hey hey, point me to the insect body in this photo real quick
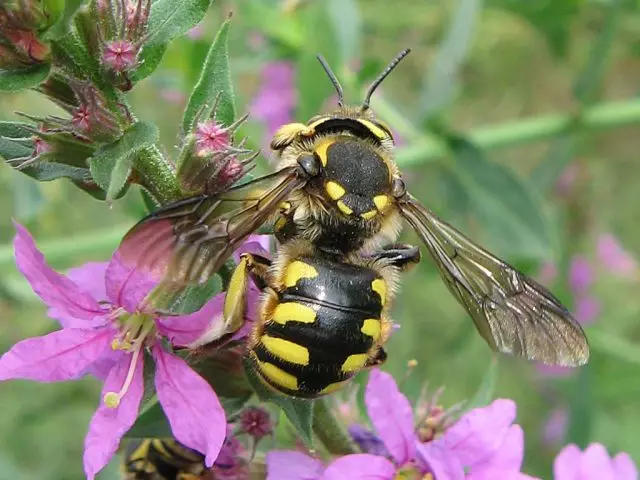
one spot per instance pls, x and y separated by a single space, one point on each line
338 189
323 317
162 459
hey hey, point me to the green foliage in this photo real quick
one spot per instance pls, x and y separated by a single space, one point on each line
215 80
14 80
59 28
111 164
485 393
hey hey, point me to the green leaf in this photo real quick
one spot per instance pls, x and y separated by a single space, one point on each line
442 79
510 213
586 86
14 80
487 388
168 19
60 27
344 16
581 409
298 411
111 164
71 54
560 154
614 346
12 140
215 80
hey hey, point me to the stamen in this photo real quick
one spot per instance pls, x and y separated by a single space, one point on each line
112 399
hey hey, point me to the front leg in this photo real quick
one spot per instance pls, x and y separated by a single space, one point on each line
402 256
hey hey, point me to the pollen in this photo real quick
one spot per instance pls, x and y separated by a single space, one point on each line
111 399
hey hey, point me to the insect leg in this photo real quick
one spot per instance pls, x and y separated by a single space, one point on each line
252 267
401 256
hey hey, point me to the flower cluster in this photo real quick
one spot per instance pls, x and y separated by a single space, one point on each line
107 330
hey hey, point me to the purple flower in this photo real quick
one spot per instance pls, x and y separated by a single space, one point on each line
555 428
484 443
275 101
256 422
107 328
580 274
593 464
120 55
615 258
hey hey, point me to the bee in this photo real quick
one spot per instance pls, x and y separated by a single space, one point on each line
336 200
162 459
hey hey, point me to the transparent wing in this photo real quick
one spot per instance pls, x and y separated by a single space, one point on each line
512 312
188 241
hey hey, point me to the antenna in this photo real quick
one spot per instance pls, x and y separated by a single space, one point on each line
376 83
332 77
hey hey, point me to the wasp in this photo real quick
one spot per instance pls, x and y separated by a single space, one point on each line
162 459
337 202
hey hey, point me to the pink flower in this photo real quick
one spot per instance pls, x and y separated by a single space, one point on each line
256 422
580 274
555 428
120 55
615 258
483 443
276 100
212 137
107 328
593 464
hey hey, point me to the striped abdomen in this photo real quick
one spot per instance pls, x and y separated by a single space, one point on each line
323 328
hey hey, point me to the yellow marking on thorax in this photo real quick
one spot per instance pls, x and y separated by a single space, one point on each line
295 312
373 128
354 362
334 189
371 327
332 387
286 350
343 208
280 224
322 147
381 201
380 288
297 270
278 376
369 215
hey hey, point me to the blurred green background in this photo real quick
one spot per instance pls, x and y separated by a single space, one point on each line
539 99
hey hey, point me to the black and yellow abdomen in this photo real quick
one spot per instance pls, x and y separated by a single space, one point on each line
324 326
162 459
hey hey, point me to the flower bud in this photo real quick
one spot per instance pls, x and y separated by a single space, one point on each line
20 22
256 422
209 162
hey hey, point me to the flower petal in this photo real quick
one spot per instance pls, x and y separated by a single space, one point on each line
624 468
183 330
196 417
62 355
435 458
127 285
566 466
90 277
255 244
506 459
480 432
391 415
109 425
360 466
290 465
72 304
596 464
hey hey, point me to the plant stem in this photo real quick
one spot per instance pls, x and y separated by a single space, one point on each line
158 177
330 431
596 117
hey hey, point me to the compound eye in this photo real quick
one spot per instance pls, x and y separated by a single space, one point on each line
310 163
398 188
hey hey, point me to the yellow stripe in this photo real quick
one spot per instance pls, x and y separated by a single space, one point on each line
343 208
141 452
334 190
297 270
380 288
354 362
381 201
286 350
278 376
369 215
377 131
371 327
332 387
321 149
294 312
